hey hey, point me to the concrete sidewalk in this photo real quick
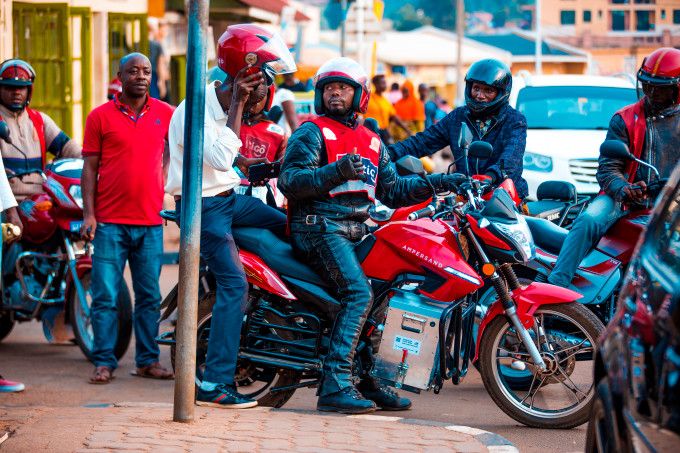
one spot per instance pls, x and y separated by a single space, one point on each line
147 427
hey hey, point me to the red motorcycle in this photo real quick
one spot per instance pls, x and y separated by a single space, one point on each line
46 276
426 275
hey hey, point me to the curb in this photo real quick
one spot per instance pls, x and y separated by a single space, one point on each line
495 443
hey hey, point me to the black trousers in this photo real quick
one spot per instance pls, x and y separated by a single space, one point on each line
330 250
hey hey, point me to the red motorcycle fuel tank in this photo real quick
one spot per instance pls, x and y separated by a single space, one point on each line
426 248
37 216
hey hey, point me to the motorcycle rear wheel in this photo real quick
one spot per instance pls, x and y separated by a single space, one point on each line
246 373
6 325
568 347
82 325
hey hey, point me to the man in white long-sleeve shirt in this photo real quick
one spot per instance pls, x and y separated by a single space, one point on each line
222 208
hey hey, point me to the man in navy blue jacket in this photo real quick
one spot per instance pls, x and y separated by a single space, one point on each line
488 115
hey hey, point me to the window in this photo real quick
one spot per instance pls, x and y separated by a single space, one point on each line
567 17
618 20
663 14
644 20
587 15
572 107
620 2
676 16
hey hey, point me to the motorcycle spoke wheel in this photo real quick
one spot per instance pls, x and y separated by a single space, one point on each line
561 395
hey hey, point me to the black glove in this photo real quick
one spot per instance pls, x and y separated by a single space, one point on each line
447 183
351 167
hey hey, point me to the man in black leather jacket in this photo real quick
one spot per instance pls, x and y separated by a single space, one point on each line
331 174
651 129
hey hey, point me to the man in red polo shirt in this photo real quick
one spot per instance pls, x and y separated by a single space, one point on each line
122 186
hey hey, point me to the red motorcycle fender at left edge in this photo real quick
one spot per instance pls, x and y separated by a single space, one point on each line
528 299
260 275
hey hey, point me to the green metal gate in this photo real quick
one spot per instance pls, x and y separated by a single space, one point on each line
127 33
41 37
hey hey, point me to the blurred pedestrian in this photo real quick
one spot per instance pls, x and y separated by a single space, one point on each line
122 187
382 110
115 87
429 97
411 110
292 83
394 95
285 99
160 72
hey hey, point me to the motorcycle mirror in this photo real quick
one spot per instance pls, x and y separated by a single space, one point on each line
4 132
465 137
615 149
480 150
274 114
409 165
372 125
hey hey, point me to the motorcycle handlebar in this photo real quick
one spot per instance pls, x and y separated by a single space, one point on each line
427 211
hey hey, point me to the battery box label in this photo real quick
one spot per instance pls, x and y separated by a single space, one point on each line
411 345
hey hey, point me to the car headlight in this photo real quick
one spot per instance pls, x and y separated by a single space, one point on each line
520 235
77 195
537 162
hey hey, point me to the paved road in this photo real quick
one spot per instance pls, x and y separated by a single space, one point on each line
57 376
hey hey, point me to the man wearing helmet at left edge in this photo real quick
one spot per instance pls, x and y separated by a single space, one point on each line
489 117
333 171
251 57
34 133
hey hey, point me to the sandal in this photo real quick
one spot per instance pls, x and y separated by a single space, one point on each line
101 375
154 371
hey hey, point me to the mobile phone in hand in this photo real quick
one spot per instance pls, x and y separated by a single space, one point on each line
260 172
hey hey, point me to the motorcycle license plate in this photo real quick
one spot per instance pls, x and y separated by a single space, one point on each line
74 226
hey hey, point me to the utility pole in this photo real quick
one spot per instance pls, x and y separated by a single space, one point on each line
190 234
343 31
360 32
460 36
539 39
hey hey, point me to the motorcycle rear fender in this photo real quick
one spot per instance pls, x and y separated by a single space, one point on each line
260 275
528 299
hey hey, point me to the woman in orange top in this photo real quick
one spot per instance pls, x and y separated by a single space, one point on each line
411 110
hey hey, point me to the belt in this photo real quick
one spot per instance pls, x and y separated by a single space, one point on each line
226 193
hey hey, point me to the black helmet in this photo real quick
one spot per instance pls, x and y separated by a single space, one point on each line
493 73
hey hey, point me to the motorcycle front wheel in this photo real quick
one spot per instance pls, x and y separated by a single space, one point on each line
82 324
559 397
252 380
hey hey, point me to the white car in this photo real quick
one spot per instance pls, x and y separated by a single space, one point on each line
567 118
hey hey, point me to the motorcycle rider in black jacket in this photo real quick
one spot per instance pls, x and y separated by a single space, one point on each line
651 129
333 170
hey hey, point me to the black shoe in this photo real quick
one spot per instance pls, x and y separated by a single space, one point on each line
224 396
384 397
346 401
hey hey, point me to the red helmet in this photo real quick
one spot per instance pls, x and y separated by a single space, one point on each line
17 73
346 70
247 44
661 68
115 86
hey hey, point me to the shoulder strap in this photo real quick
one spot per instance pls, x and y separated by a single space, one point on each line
39 124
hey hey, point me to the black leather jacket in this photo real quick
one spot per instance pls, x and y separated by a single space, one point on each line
660 149
307 177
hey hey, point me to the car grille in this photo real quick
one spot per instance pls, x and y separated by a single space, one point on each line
584 170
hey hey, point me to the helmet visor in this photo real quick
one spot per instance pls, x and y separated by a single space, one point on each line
277 59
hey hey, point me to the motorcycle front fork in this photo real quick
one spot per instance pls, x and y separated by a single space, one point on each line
507 302
80 291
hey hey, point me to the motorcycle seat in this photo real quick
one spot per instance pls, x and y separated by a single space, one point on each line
276 253
557 190
547 235
546 209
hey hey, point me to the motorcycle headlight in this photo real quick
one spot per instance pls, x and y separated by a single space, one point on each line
537 162
519 235
77 195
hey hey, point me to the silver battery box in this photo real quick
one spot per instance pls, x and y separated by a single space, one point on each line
408 354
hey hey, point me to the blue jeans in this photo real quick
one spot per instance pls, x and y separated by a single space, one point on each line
586 232
142 246
218 249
